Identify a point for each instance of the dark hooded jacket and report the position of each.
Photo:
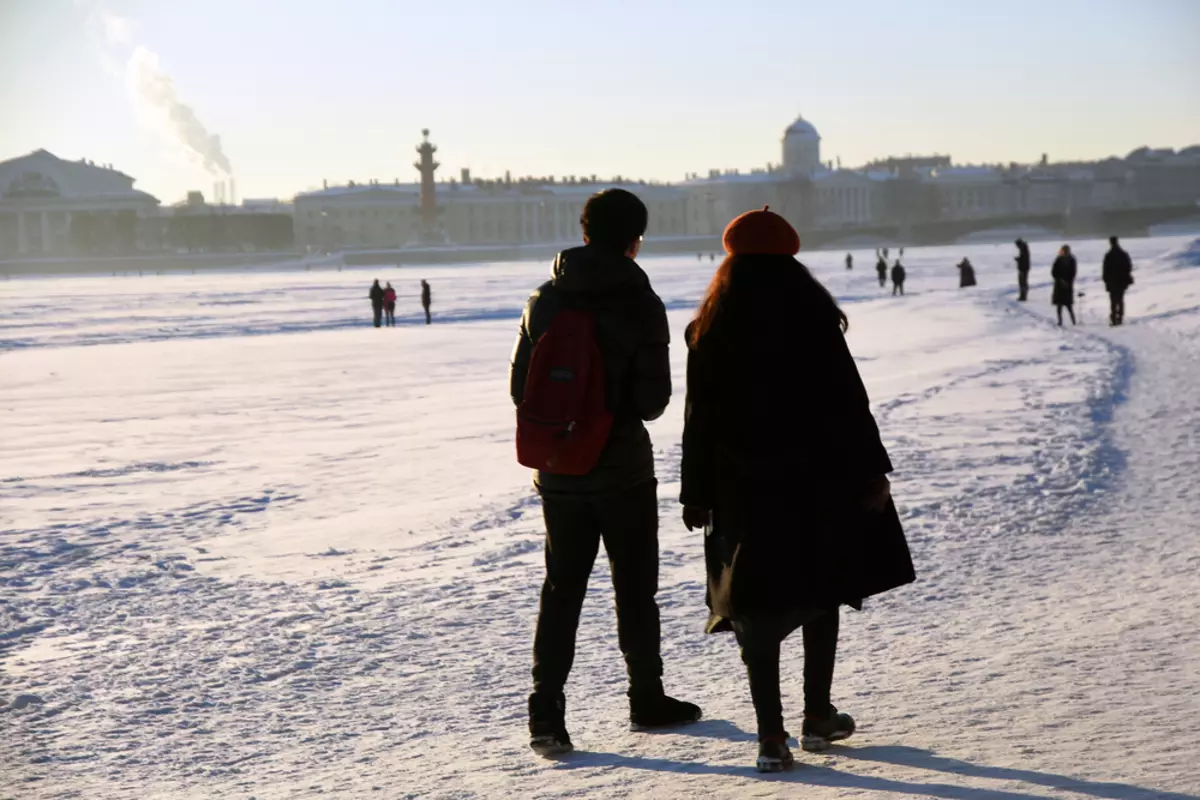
(778, 442)
(1023, 261)
(1118, 270)
(1063, 272)
(634, 339)
(898, 273)
(376, 294)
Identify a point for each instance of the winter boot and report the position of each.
(654, 709)
(819, 732)
(548, 735)
(774, 755)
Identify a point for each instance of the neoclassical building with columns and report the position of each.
(50, 206)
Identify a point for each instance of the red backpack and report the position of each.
(563, 421)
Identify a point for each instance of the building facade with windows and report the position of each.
(50, 206)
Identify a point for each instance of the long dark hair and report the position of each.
(816, 298)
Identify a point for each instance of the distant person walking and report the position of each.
(1118, 276)
(849, 261)
(881, 268)
(376, 295)
(389, 304)
(426, 301)
(790, 485)
(1023, 269)
(966, 274)
(898, 276)
(1063, 272)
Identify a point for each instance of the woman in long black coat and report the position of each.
(1063, 272)
(784, 469)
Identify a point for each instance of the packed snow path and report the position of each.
(298, 565)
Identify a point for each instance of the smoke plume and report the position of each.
(155, 93)
(151, 90)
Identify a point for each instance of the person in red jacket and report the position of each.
(389, 304)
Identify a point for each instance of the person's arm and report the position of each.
(652, 361)
(696, 463)
(852, 443)
(522, 351)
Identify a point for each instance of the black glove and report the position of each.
(695, 517)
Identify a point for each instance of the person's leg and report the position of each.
(1119, 297)
(1023, 283)
(572, 539)
(428, 318)
(1059, 309)
(1112, 308)
(820, 654)
(760, 654)
(1071, 311)
(629, 525)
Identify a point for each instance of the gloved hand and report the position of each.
(876, 493)
(695, 517)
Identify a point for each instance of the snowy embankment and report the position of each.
(240, 563)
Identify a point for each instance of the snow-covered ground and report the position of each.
(252, 547)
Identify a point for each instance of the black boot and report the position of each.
(650, 709)
(821, 731)
(548, 735)
(774, 754)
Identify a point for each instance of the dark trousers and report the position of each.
(428, 319)
(760, 654)
(1023, 284)
(377, 311)
(1116, 304)
(628, 524)
(897, 288)
(1070, 310)
(390, 311)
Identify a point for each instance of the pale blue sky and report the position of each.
(301, 90)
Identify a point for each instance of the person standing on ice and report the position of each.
(790, 485)
(1022, 269)
(426, 300)
(849, 261)
(1118, 276)
(966, 274)
(1063, 272)
(881, 268)
(376, 295)
(590, 367)
(389, 304)
(898, 276)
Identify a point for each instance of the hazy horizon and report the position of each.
(299, 92)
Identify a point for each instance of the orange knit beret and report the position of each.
(761, 233)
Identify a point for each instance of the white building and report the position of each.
(529, 211)
(50, 206)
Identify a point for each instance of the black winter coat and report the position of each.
(1118, 270)
(376, 294)
(1063, 272)
(1023, 261)
(634, 339)
(778, 442)
(898, 274)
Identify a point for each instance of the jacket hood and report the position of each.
(585, 269)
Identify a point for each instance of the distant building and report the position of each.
(53, 207)
(468, 212)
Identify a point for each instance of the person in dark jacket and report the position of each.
(1118, 276)
(1063, 272)
(376, 295)
(966, 274)
(389, 305)
(898, 276)
(881, 269)
(617, 501)
(784, 467)
(849, 261)
(426, 301)
(1023, 269)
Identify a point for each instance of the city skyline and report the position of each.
(297, 94)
